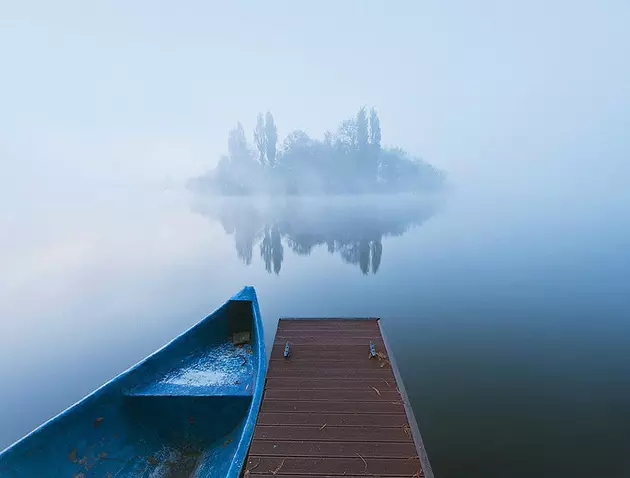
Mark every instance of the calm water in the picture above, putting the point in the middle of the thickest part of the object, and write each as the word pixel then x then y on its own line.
pixel 509 315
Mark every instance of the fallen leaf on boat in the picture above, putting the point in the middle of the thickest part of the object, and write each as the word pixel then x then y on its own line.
pixel 72 456
pixel 151 459
pixel 98 421
pixel 240 338
pixel 236 382
pixel 227 442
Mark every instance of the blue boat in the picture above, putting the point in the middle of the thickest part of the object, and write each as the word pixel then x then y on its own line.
pixel 188 409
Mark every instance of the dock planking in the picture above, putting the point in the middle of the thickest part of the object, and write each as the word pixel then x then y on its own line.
pixel 332 409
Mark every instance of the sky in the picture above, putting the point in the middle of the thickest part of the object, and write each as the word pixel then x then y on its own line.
pixel 109 95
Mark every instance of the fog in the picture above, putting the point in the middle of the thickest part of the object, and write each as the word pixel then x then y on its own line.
pixel 101 97
pixel 101 104
pixel 109 110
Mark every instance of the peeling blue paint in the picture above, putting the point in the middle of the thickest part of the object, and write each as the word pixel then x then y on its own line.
pixel 372 350
pixel 188 409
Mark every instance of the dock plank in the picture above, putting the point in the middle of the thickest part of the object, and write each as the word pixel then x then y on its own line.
pixel 347 372
pixel 317 352
pixel 332 419
pixel 331 409
pixel 332 449
pixel 326 363
pixel 364 394
pixel 330 433
pixel 329 406
pixel 325 383
pixel 357 465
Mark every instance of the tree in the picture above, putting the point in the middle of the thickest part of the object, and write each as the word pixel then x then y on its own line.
pixel 362 130
pixel 271 139
pixel 375 143
pixel 347 135
pixel 260 138
pixel 375 130
pixel 237 144
pixel 328 139
pixel 295 141
pixel 297 161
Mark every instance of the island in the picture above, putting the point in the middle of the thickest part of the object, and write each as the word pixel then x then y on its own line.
pixel 351 160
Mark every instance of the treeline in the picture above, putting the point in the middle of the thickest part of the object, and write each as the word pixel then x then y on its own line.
pixel 350 161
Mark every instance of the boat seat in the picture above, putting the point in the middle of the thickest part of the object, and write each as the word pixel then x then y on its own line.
pixel 218 371
pixel 165 389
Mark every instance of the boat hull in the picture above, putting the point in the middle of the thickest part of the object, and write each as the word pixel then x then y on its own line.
pixel 189 409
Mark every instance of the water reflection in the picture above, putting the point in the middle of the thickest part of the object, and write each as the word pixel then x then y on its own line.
pixel 271 249
pixel 353 227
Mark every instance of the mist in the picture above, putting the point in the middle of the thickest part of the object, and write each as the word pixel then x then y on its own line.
pixel 486 222
pixel 509 94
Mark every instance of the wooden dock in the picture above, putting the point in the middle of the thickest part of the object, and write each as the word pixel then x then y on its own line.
pixel 335 406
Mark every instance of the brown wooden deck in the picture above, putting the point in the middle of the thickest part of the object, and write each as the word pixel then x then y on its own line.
pixel 330 409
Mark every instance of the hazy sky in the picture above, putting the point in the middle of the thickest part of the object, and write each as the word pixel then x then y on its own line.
pixel 106 95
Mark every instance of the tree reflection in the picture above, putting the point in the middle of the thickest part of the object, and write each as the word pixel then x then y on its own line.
pixel 271 249
pixel 352 228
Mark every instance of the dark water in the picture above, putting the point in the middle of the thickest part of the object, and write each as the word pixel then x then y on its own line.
pixel 509 316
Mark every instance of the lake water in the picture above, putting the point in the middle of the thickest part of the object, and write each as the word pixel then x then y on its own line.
pixel 508 314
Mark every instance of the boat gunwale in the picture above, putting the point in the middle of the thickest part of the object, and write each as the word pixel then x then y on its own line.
pixel 250 421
